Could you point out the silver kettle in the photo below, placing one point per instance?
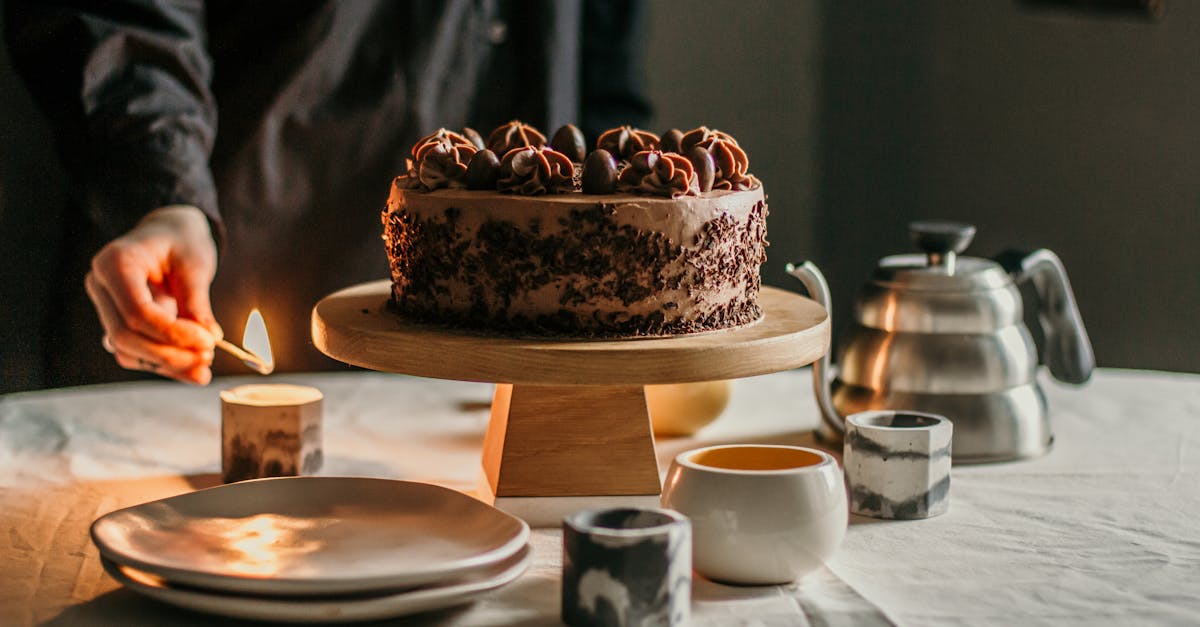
(945, 334)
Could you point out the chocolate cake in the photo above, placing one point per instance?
(641, 237)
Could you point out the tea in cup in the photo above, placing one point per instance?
(761, 514)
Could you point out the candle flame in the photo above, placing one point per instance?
(256, 340)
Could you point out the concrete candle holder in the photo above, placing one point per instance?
(270, 430)
(626, 568)
(898, 464)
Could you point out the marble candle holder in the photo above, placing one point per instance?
(626, 568)
(270, 430)
(898, 464)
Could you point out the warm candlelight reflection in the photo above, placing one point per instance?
(881, 360)
(146, 579)
(255, 338)
(260, 545)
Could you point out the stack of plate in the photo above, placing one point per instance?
(309, 549)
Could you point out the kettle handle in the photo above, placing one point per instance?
(818, 289)
(1068, 351)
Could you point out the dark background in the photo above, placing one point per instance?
(1071, 129)
(1074, 130)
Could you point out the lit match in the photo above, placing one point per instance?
(257, 354)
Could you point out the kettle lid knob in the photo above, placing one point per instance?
(941, 241)
(938, 237)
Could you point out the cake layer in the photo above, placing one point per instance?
(577, 264)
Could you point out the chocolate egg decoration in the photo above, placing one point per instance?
(569, 141)
(483, 171)
(599, 173)
(706, 168)
(473, 136)
(670, 141)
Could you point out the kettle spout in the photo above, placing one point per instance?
(818, 289)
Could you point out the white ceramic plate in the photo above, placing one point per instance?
(310, 536)
(324, 610)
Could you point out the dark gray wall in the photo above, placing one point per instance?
(752, 70)
(1071, 131)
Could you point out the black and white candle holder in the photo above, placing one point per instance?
(627, 568)
(898, 464)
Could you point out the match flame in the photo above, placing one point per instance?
(255, 338)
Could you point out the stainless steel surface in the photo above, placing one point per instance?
(1068, 352)
(1005, 425)
(938, 363)
(942, 242)
(913, 272)
(945, 334)
(882, 307)
(818, 290)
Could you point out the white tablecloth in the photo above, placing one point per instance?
(1105, 529)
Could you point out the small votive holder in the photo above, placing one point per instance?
(270, 430)
(898, 464)
(626, 567)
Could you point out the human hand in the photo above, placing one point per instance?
(150, 289)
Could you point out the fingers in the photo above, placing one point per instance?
(150, 288)
(190, 287)
(125, 273)
(135, 351)
(198, 375)
(128, 270)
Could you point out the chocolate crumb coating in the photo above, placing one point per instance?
(577, 265)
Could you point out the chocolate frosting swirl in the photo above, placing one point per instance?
(536, 170)
(515, 134)
(451, 148)
(659, 173)
(731, 161)
(443, 165)
(530, 167)
(624, 142)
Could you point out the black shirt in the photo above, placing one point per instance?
(285, 123)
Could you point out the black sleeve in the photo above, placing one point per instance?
(126, 87)
(613, 65)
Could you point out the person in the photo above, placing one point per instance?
(177, 230)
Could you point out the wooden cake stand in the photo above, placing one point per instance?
(569, 426)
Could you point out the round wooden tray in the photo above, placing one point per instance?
(354, 325)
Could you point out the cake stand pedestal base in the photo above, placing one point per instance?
(555, 449)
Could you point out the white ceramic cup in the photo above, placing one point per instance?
(761, 514)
